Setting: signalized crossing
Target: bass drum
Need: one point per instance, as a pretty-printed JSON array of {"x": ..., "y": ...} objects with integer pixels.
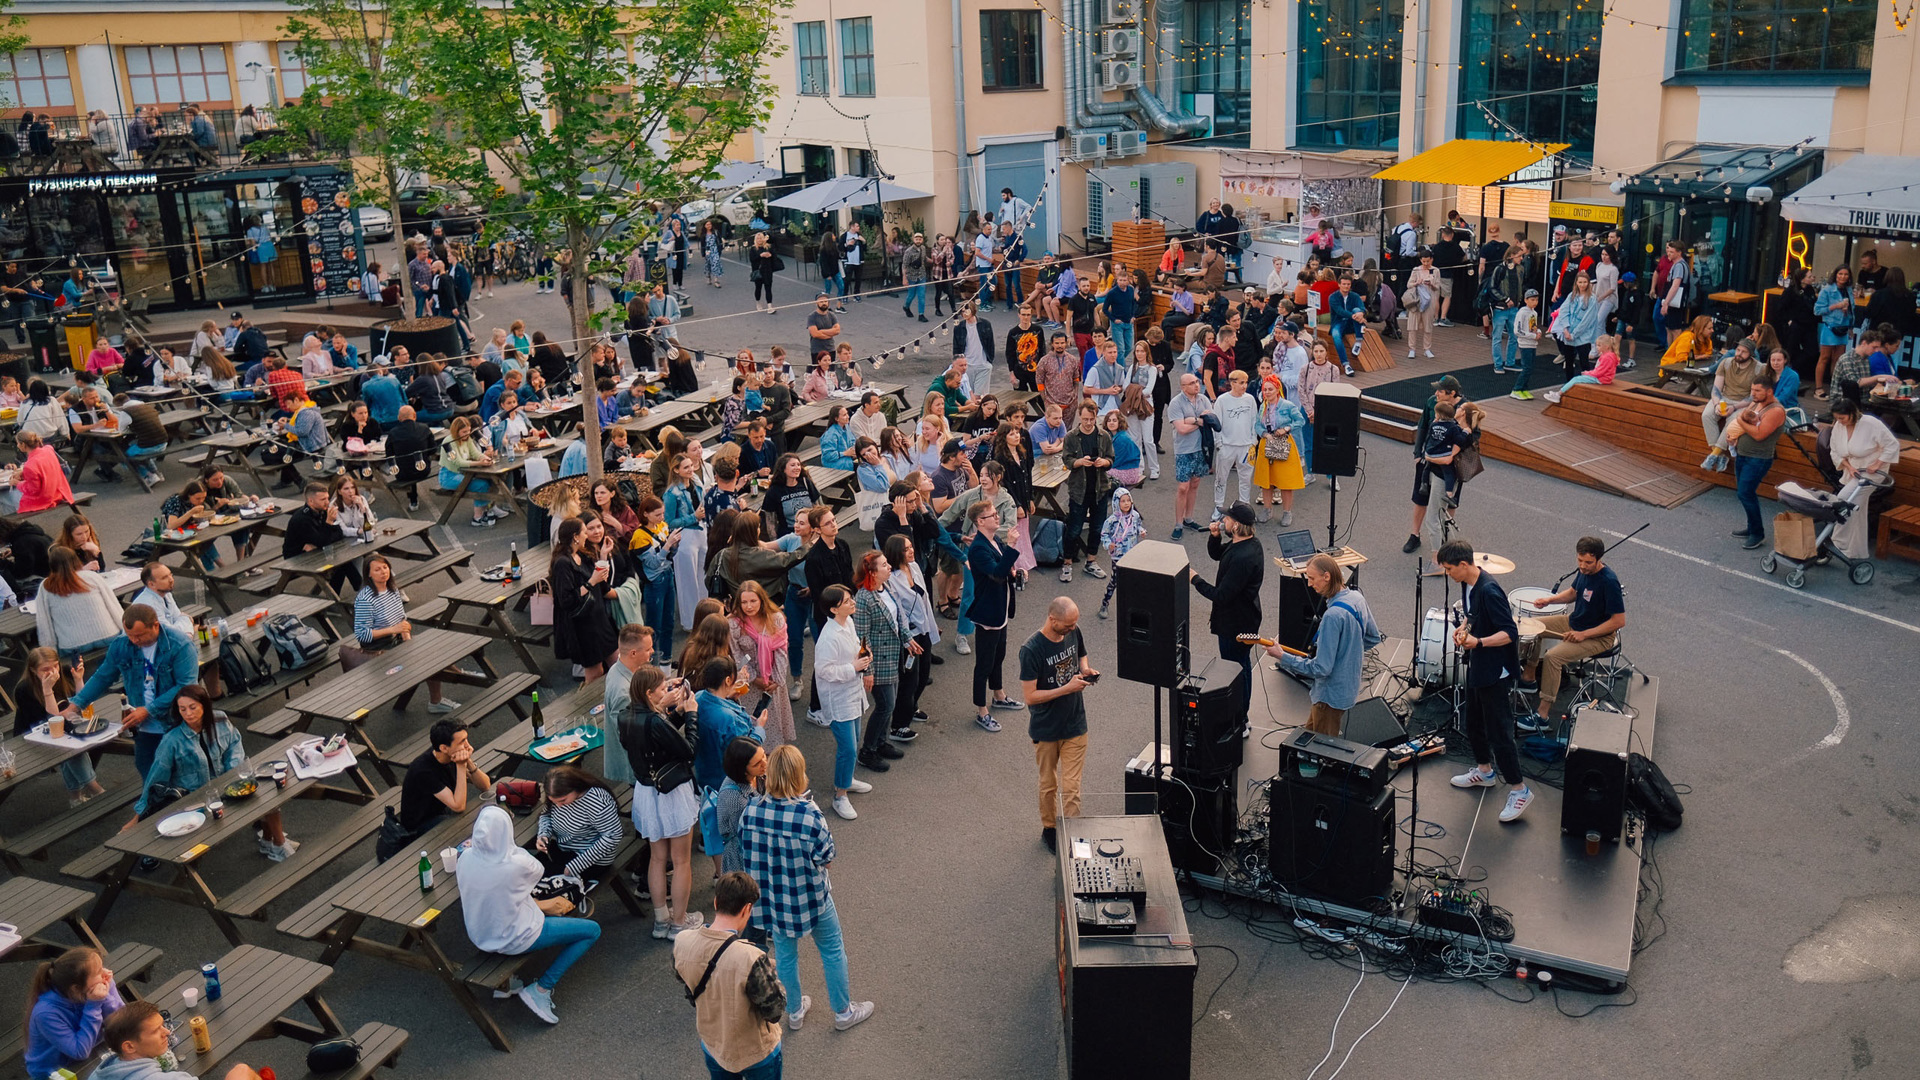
[{"x": 1437, "y": 661}]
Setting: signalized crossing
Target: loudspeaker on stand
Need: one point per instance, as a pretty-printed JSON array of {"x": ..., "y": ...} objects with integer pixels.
[{"x": 1153, "y": 584}]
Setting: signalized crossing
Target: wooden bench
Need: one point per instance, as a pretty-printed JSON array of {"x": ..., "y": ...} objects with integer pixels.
[
  {"x": 283, "y": 682},
  {"x": 127, "y": 962},
  {"x": 33, "y": 843},
  {"x": 380, "y": 1045},
  {"x": 92, "y": 866},
  {"x": 1895, "y": 523},
  {"x": 501, "y": 692},
  {"x": 414, "y": 571},
  {"x": 234, "y": 573},
  {"x": 248, "y": 901}
]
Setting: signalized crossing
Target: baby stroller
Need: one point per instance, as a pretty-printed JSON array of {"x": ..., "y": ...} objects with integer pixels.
[{"x": 1827, "y": 510}]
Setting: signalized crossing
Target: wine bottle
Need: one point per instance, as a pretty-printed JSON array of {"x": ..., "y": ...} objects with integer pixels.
[
  {"x": 426, "y": 873},
  {"x": 539, "y": 719},
  {"x": 513, "y": 562}
]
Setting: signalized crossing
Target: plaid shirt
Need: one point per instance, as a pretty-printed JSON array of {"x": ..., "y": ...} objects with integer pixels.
[
  {"x": 880, "y": 629},
  {"x": 787, "y": 848}
]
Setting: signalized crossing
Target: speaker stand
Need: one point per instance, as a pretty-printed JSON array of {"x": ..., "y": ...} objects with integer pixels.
[{"x": 1333, "y": 501}]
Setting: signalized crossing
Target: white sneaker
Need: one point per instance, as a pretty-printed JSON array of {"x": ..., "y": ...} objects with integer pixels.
[
  {"x": 1517, "y": 803},
  {"x": 961, "y": 645},
  {"x": 694, "y": 921},
  {"x": 1428, "y": 354},
  {"x": 1409, "y": 354},
  {"x": 444, "y": 705},
  {"x": 855, "y": 1013},
  {"x": 796, "y": 1017},
  {"x": 540, "y": 1000},
  {"x": 285, "y": 851},
  {"x": 1474, "y": 778},
  {"x": 815, "y": 718},
  {"x": 859, "y": 787},
  {"x": 843, "y": 807},
  {"x": 793, "y": 692}
]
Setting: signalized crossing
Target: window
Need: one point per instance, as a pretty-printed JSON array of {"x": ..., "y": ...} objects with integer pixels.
[
  {"x": 811, "y": 47},
  {"x": 293, "y": 72},
  {"x": 860, "y": 162},
  {"x": 1216, "y": 75},
  {"x": 1536, "y": 65},
  {"x": 175, "y": 74},
  {"x": 856, "y": 57},
  {"x": 36, "y": 79},
  {"x": 1739, "y": 38},
  {"x": 1010, "y": 50},
  {"x": 1349, "y": 59}
]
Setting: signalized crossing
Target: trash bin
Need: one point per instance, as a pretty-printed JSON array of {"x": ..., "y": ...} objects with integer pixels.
[
  {"x": 44, "y": 343},
  {"x": 80, "y": 338}
]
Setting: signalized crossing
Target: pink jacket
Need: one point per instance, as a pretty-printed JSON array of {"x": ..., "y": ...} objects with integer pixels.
[
  {"x": 42, "y": 482},
  {"x": 1605, "y": 368}
]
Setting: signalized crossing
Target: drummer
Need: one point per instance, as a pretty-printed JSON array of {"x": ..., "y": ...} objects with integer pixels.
[{"x": 1593, "y": 627}]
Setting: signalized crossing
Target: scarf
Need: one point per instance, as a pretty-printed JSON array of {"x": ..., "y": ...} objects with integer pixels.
[{"x": 768, "y": 647}]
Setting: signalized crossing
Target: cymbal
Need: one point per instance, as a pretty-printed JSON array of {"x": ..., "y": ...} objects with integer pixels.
[{"x": 1492, "y": 564}]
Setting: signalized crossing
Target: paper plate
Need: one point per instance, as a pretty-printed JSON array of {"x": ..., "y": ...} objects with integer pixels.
[
  {"x": 226, "y": 519},
  {"x": 183, "y": 823}
]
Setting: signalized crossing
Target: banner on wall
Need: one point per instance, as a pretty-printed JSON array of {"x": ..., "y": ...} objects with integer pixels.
[{"x": 333, "y": 233}]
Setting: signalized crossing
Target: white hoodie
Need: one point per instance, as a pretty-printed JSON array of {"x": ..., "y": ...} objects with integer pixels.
[{"x": 496, "y": 887}]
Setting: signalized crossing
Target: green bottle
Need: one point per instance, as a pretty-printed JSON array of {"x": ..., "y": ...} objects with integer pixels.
[
  {"x": 539, "y": 720},
  {"x": 156, "y": 530},
  {"x": 426, "y": 873}
]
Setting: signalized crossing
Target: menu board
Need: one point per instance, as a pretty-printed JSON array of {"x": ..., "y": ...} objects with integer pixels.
[{"x": 333, "y": 233}]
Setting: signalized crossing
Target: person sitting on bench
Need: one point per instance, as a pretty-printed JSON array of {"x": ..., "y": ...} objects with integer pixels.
[{"x": 140, "y": 1045}]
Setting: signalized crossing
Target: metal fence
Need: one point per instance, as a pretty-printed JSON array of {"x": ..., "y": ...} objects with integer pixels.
[{"x": 163, "y": 137}]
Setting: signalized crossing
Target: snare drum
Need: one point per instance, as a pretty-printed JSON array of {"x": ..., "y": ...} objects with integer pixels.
[
  {"x": 1531, "y": 631},
  {"x": 1437, "y": 661},
  {"x": 1522, "y": 599}
]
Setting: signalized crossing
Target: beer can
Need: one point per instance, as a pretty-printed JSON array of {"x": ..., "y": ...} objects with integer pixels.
[{"x": 202, "y": 1040}]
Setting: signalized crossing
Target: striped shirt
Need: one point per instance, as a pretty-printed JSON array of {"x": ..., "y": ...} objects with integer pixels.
[
  {"x": 377, "y": 611},
  {"x": 588, "y": 825}
]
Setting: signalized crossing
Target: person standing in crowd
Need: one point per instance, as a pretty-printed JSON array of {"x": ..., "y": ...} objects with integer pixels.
[
  {"x": 913, "y": 274},
  {"x": 1054, "y": 670},
  {"x": 1235, "y": 592},
  {"x": 840, "y": 663},
  {"x": 1189, "y": 412},
  {"x": 737, "y": 997},
  {"x": 876, "y": 617},
  {"x": 1493, "y": 661},
  {"x": 656, "y": 733},
  {"x": 152, "y": 664},
  {"x": 1761, "y": 425},
  {"x": 1238, "y": 414},
  {"x": 1422, "y": 300},
  {"x": 1834, "y": 307},
  {"x": 1345, "y": 633},
  {"x": 583, "y": 632},
  {"x": 853, "y": 248},
  {"x": 1446, "y": 389},
  {"x": 907, "y": 584},
  {"x": 757, "y": 638},
  {"x": 686, "y": 514},
  {"x": 990, "y": 562},
  {"x": 788, "y": 847},
  {"x": 764, "y": 264},
  {"x": 635, "y": 652},
  {"x": 973, "y": 339},
  {"x": 1089, "y": 454},
  {"x": 496, "y": 879}
]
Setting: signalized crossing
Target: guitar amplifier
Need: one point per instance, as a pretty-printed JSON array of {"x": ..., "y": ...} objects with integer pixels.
[{"x": 1332, "y": 764}]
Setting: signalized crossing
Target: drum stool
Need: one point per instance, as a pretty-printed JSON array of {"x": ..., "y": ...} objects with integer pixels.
[{"x": 1596, "y": 676}]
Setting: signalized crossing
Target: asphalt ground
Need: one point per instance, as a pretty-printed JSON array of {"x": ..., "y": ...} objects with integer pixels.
[{"x": 1789, "y": 894}]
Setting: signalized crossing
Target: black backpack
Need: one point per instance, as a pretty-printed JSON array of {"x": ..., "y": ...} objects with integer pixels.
[
  {"x": 241, "y": 666},
  {"x": 1650, "y": 792},
  {"x": 296, "y": 643}
]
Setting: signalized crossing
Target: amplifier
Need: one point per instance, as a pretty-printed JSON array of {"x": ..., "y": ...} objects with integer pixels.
[
  {"x": 1325, "y": 762},
  {"x": 1595, "y": 798},
  {"x": 1207, "y": 722},
  {"x": 1199, "y": 815}
]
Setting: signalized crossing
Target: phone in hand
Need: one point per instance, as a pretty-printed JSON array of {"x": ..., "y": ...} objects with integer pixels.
[{"x": 1091, "y": 676}]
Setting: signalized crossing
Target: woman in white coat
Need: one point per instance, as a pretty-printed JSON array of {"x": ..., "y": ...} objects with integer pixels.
[{"x": 838, "y": 667}]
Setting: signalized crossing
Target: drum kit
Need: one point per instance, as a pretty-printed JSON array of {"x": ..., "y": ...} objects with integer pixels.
[{"x": 1438, "y": 662}]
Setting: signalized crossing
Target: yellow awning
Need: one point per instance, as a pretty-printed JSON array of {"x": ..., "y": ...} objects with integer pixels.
[{"x": 1469, "y": 162}]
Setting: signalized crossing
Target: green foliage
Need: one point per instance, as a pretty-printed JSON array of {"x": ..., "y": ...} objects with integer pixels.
[{"x": 12, "y": 40}]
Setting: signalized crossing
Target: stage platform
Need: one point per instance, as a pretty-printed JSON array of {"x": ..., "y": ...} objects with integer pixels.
[{"x": 1570, "y": 911}]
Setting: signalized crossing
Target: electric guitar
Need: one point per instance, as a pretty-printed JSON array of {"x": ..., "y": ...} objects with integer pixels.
[{"x": 1256, "y": 639}]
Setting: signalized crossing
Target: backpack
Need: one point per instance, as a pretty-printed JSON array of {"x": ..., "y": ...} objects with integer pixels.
[
  {"x": 241, "y": 667},
  {"x": 1049, "y": 537},
  {"x": 1650, "y": 792},
  {"x": 296, "y": 643}
]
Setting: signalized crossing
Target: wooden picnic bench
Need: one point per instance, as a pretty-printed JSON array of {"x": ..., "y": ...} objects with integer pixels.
[
  {"x": 32, "y": 906},
  {"x": 380, "y": 1046},
  {"x": 492, "y": 601},
  {"x": 258, "y": 986},
  {"x": 33, "y": 759},
  {"x": 128, "y": 962}
]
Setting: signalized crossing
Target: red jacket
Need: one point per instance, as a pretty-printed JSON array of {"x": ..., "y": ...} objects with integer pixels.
[{"x": 42, "y": 482}]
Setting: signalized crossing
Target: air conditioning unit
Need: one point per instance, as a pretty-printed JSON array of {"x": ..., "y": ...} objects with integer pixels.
[
  {"x": 1120, "y": 42},
  {"x": 1128, "y": 144},
  {"x": 1119, "y": 11},
  {"x": 1166, "y": 192},
  {"x": 1087, "y": 147},
  {"x": 1120, "y": 74}
]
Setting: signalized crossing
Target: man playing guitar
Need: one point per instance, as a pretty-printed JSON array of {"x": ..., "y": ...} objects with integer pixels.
[{"x": 1346, "y": 632}]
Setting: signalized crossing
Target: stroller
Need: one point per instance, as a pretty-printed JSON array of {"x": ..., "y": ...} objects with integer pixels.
[{"x": 1828, "y": 510}]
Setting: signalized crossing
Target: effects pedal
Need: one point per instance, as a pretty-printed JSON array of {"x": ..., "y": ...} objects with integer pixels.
[
  {"x": 1418, "y": 747},
  {"x": 1105, "y": 916}
]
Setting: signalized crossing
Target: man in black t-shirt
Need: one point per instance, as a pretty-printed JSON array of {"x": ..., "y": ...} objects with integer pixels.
[
  {"x": 1593, "y": 627},
  {"x": 313, "y": 526},
  {"x": 822, "y": 327},
  {"x": 1493, "y": 659},
  {"x": 1053, "y": 672},
  {"x": 1491, "y": 255},
  {"x": 442, "y": 780}
]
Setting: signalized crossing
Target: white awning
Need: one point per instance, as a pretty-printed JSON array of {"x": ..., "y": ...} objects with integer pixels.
[
  {"x": 1282, "y": 174},
  {"x": 1870, "y": 193},
  {"x": 847, "y": 191}
]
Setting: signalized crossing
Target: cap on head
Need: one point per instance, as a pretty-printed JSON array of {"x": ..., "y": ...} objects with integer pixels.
[
  {"x": 1532, "y": 294},
  {"x": 1448, "y": 383},
  {"x": 1241, "y": 513}
]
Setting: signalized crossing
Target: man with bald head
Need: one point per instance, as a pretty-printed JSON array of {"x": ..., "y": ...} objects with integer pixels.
[
  {"x": 1347, "y": 631},
  {"x": 1053, "y": 672}
]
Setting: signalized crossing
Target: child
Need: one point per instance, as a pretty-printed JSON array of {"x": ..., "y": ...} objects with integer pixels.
[
  {"x": 10, "y": 395},
  {"x": 1526, "y": 337},
  {"x": 1124, "y": 529},
  {"x": 1444, "y": 440},
  {"x": 1624, "y": 316},
  {"x": 1127, "y": 467},
  {"x": 1603, "y": 369},
  {"x": 617, "y": 450}
]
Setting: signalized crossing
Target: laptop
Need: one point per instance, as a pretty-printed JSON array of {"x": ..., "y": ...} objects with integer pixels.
[{"x": 1297, "y": 547}]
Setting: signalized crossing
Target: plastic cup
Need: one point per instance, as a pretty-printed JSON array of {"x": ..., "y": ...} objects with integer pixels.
[
  {"x": 1593, "y": 843},
  {"x": 190, "y": 997},
  {"x": 449, "y": 858},
  {"x": 57, "y": 727},
  {"x": 217, "y": 808}
]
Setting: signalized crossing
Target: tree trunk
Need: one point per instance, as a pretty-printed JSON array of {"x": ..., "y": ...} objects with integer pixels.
[
  {"x": 400, "y": 235},
  {"x": 581, "y": 311}
]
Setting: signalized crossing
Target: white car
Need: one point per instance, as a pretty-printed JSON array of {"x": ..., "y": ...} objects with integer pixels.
[
  {"x": 737, "y": 207},
  {"x": 375, "y": 223}
]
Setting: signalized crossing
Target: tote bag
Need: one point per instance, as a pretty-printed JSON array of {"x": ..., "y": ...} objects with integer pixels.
[
  {"x": 540, "y": 605},
  {"x": 871, "y": 503}
]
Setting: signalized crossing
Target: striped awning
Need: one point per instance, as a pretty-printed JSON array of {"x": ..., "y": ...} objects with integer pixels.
[{"x": 1470, "y": 162}]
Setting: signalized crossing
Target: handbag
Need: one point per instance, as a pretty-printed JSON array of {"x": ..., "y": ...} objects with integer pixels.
[
  {"x": 564, "y": 887},
  {"x": 1278, "y": 447},
  {"x": 1467, "y": 463},
  {"x": 540, "y": 605},
  {"x": 871, "y": 504},
  {"x": 333, "y": 1055}
]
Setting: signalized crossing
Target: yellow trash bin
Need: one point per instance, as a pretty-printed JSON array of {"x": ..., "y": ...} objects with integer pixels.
[{"x": 80, "y": 338}]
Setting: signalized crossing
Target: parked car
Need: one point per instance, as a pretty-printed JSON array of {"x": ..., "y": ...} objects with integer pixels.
[
  {"x": 425, "y": 206},
  {"x": 375, "y": 223},
  {"x": 737, "y": 207}
]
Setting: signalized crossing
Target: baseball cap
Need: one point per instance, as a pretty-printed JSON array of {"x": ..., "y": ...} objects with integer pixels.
[
  {"x": 1532, "y": 294},
  {"x": 1629, "y": 276},
  {"x": 822, "y": 295},
  {"x": 234, "y": 315},
  {"x": 1447, "y": 382},
  {"x": 1241, "y": 513}
]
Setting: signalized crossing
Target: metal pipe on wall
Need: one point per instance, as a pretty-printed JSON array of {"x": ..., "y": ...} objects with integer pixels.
[{"x": 960, "y": 117}]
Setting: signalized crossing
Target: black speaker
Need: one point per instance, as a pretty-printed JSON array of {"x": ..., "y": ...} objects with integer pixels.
[
  {"x": 1207, "y": 722},
  {"x": 1152, "y": 586},
  {"x": 1334, "y": 844},
  {"x": 1300, "y": 611},
  {"x": 1198, "y": 813},
  {"x": 1595, "y": 798},
  {"x": 1372, "y": 723},
  {"x": 1336, "y": 429}
]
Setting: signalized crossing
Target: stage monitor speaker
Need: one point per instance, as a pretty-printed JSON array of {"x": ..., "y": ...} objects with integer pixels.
[
  {"x": 1595, "y": 799},
  {"x": 1207, "y": 722},
  {"x": 1371, "y": 721},
  {"x": 1336, "y": 429},
  {"x": 1335, "y": 845},
  {"x": 1152, "y": 585},
  {"x": 1199, "y": 814},
  {"x": 1300, "y": 611}
]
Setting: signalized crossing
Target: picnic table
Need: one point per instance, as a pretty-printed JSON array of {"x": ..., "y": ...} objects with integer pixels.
[
  {"x": 257, "y": 987},
  {"x": 704, "y": 400},
  {"x": 32, "y": 905},
  {"x": 1049, "y": 480},
  {"x": 320, "y": 564},
  {"x": 184, "y": 853},
  {"x": 1898, "y": 412},
  {"x": 393, "y": 676},
  {"x": 490, "y": 601},
  {"x": 499, "y": 474},
  {"x": 233, "y": 448},
  {"x": 33, "y": 758},
  {"x": 207, "y": 538}
]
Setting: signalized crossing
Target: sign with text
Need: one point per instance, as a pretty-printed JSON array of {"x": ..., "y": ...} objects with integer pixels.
[{"x": 332, "y": 229}]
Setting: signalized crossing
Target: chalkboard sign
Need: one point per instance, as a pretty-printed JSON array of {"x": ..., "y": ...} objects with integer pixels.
[{"x": 333, "y": 233}]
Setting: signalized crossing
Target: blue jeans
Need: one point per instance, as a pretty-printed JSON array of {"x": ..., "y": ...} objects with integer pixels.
[
  {"x": 146, "y": 744},
  {"x": 1122, "y": 334},
  {"x": 1306, "y": 448},
  {"x": 828, "y": 284},
  {"x": 1747, "y": 474},
  {"x": 833, "y": 958},
  {"x": 436, "y": 418},
  {"x": 577, "y": 935},
  {"x": 1010, "y": 287},
  {"x": 77, "y": 772},
  {"x": 1577, "y": 380},
  {"x": 767, "y": 1068},
  {"x": 450, "y": 481},
  {"x": 1525, "y": 368},
  {"x": 1341, "y": 349},
  {"x": 916, "y": 292},
  {"x": 965, "y": 625},
  {"x": 657, "y": 599},
  {"x": 1504, "y": 343},
  {"x": 419, "y": 305},
  {"x": 799, "y": 611},
  {"x": 846, "y": 747}
]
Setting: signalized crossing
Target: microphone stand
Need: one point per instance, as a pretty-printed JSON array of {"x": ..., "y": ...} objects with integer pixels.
[{"x": 1603, "y": 551}]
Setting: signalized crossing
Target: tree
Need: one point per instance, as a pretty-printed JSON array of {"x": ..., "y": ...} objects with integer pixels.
[
  {"x": 640, "y": 101},
  {"x": 359, "y": 64},
  {"x": 12, "y": 40}
]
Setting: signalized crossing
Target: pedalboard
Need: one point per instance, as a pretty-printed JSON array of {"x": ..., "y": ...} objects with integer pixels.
[{"x": 1418, "y": 747}]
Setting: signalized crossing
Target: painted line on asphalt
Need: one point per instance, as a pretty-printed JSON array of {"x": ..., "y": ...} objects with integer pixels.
[{"x": 1842, "y": 719}]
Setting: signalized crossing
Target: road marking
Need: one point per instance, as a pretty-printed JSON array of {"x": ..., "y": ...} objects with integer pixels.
[{"x": 1842, "y": 720}]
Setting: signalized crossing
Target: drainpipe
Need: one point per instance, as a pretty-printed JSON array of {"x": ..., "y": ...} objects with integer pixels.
[
  {"x": 1080, "y": 119},
  {"x": 1162, "y": 104},
  {"x": 1420, "y": 103},
  {"x": 960, "y": 117},
  {"x": 1083, "y": 54}
]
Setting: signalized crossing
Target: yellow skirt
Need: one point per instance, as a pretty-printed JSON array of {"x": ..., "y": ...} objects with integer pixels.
[{"x": 1280, "y": 475}]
